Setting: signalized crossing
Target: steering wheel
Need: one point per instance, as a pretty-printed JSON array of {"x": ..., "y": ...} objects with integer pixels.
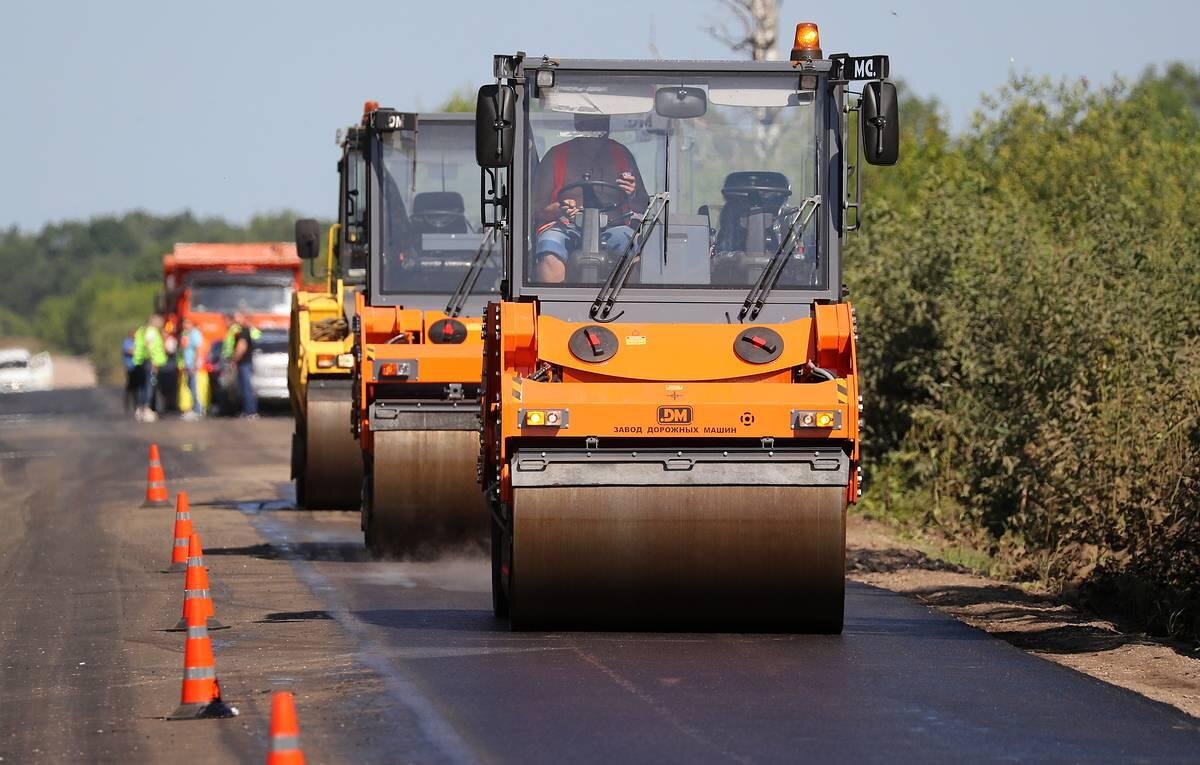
[{"x": 591, "y": 199}]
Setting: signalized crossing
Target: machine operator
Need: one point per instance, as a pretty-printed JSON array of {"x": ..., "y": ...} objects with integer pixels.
[{"x": 558, "y": 212}]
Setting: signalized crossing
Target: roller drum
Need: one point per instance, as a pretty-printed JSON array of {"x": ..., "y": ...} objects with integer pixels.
[
  {"x": 332, "y": 471},
  {"x": 737, "y": 557},
  {"x": 424, "y": 491}
]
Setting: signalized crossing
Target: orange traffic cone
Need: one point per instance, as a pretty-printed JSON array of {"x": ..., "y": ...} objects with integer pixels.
[
  {"x": 285, "y": 731},
  {"x": 201, "y": 695},
  {"x": 196, "y": 598},
  {"x": 183, "y": 530},
  {"x": 156, "y": 481}
]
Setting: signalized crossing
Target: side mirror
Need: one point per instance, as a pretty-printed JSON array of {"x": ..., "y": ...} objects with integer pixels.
[
  {"x": 495, "y": 125},
  {"x": 308, "y": 238},
  {"x": 880, "y": 125}
]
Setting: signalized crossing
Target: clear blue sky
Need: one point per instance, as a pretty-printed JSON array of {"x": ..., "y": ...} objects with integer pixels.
[{"x": 230, "y": 108}]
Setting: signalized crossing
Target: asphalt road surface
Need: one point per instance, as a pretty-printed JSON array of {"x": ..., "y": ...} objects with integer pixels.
[{"x": 403, "y": 662}]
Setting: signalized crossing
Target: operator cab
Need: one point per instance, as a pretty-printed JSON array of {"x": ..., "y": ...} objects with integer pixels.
[
  {"x": 425, "y": 240},
  {"x": 704, "y": 184}
]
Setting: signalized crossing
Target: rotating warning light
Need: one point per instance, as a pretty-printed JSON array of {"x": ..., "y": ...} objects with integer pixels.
[
  {"x": 370, "y": 106},
  {"x": 807, "y": 44}
]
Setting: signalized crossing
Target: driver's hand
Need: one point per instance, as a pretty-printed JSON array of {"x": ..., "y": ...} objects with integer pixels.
[
  {"x": 569, "y": 208},
  {"x": 627, "y": 183}
]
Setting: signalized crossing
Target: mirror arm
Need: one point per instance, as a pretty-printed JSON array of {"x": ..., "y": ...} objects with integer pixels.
[{"x": 880, "y": 124}]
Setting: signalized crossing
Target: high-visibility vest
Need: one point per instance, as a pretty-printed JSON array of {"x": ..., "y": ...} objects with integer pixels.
[
  {"x": 154, "y": 346},
  {"x": 139, "y": 346},
  {"x": 230, "y": 342}
]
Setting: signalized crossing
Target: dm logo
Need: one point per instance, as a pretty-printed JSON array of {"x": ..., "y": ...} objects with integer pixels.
[{"x": 674, "y": 415}]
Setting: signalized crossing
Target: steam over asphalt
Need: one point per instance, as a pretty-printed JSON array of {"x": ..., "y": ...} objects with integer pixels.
[{"x": 402, "y": 661}]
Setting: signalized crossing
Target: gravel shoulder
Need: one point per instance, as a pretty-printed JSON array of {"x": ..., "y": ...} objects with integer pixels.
[{"x": 1045, "y": 626}]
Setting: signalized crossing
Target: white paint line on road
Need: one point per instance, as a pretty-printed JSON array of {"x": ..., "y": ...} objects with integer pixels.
[
  {"x": 435, "y": 728},
  {"x": 25, "y": 455}
]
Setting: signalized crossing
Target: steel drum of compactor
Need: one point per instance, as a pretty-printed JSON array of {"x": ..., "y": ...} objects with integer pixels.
[
  {"x": 332, "y": 473},
  {"x": 740, "y": 557},
  {"x": 423, "y": 490}
]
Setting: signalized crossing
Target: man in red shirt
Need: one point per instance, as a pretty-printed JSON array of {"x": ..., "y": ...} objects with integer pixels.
[{"x": 558, "y": 214}]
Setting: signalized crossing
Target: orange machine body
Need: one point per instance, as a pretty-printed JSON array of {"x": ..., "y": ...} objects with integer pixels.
[
  {"x": 397, "y": 335},
  {"x": 665, "y": 381}
]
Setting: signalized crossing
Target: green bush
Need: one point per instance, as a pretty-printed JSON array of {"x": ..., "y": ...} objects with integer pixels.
[{"x": 1031, "y": 335}]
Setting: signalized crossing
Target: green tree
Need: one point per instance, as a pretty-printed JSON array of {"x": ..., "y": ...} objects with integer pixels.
[{"x": 461, "y": 100}]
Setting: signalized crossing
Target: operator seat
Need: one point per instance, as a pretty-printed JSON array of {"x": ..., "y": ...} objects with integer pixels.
[
  {"x": 746, "y": 238},
  {"x": 439, "y": 212}
]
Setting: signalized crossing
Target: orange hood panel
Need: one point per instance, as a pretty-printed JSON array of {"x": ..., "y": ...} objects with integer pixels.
[{"x": 674, "y": 352}]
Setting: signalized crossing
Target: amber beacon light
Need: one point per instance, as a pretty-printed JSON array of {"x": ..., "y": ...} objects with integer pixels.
[{"x": 807, "y": 45}]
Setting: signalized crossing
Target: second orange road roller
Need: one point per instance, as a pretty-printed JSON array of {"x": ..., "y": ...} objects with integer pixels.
[
  {"x": 670, "y": 404},
  {"x": 417, "y": 344}
]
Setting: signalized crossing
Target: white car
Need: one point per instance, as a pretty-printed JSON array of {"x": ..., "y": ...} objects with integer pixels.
[
  {"x": 21, "y": 371},
  {"x": 270, "y": 372}
]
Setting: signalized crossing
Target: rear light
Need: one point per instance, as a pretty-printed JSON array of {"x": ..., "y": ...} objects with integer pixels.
[
  {"x": 325, "y": 361},
  {"x": 816, "y": 419},
  {"x": 345, "y": 361},
  {"x": 547, "y": 418},
  {"x": 394, "y": 369}
]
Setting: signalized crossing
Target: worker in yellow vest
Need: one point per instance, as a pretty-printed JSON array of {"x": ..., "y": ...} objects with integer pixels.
[{"x": 149, "y": 354}]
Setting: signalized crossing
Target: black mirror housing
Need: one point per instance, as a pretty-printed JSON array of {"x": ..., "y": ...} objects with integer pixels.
[
  {"x": 880, "y": 123},
  {"x": 495, "y": 125},
  {"x": 308, "y": 238}
]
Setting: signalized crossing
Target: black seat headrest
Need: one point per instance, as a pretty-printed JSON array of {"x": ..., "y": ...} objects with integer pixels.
[{"x": 438, "y": 201}]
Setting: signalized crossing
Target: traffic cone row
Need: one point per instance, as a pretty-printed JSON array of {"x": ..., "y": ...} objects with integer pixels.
[{"x": 200, "y": 696}]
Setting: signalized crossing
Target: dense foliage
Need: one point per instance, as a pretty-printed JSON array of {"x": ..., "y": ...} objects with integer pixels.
[
  {"x": 1029, "y": 298},
  {"x": 80, "y": 287}
]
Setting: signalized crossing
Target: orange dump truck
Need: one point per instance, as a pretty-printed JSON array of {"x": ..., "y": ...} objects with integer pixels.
[{"x": 209, "y": 282}]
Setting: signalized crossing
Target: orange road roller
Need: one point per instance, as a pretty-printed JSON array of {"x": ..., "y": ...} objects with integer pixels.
[
  {"x": 670, "y": 405},
  {"x": 417, "y": 341}
]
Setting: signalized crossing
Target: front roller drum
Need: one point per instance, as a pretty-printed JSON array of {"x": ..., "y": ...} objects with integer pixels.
[
  {"x": 329, "y": 470},
  {"x": 702, "y": 557},
  {"x": 423, "y": 493}
]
